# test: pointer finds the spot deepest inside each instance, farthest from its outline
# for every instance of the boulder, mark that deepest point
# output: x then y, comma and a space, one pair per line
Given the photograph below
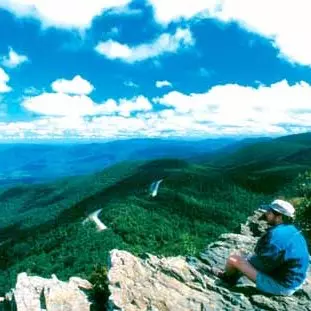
33, 293
186, 284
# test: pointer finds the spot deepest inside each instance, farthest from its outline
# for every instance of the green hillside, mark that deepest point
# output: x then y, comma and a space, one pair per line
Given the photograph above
193, 207
26, 206
43, 229
265, 166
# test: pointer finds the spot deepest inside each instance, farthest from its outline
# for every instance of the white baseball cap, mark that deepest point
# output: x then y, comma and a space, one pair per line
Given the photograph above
280, 206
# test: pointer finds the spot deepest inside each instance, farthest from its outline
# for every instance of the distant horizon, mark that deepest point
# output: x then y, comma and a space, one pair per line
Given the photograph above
102, 141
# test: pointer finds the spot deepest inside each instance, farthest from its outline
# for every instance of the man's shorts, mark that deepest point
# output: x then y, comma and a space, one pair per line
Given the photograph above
267, 284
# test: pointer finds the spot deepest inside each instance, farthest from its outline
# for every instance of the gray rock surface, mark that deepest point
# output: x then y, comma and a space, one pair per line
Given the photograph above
186, 284
34, 293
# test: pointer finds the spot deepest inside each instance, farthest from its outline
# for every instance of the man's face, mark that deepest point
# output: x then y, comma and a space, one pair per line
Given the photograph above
271, 218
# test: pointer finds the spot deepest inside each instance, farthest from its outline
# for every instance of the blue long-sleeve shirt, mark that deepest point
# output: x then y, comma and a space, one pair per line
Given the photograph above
282, 253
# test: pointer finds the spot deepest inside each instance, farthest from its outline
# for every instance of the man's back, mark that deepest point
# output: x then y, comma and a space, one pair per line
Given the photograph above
284, 253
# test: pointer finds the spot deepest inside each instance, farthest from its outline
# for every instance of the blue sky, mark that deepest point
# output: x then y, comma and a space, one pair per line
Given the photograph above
108, 69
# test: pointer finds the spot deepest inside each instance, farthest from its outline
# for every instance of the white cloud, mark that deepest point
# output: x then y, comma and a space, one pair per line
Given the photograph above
14, 60
125, 10
73, 127
63, 14
77, 86
60, 104
285, 23
4, 79
245, 107
64, 105
160, 84
140, 103
167, 11
166, 43
32, 91
124, 107
229, 109
131, 84
112, 49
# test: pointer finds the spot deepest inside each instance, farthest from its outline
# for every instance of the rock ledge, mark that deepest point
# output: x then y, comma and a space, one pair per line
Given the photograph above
185, 284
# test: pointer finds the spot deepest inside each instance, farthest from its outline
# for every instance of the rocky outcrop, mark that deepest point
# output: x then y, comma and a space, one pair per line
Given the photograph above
34, 293
162, 284
186, 284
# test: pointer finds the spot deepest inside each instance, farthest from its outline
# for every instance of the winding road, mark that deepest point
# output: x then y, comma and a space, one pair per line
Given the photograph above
154, 188
94, 217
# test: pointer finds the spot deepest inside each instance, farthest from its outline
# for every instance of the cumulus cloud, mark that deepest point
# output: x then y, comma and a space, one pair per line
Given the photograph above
62, 14
60, 104
125, 10
77, 86
231, 109
167, 11
245, 107
160, 84
166, 43
72, 127
285, 23
125, 107
65, 105
4, 79
14, 59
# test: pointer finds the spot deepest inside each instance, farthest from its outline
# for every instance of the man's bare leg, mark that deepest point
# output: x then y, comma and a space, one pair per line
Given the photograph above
238, 263
230, 269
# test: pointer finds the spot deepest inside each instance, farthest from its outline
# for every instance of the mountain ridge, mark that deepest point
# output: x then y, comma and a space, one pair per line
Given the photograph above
32, 163
44, 229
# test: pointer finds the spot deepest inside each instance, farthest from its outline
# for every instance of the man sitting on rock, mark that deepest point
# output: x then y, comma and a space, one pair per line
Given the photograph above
280, 262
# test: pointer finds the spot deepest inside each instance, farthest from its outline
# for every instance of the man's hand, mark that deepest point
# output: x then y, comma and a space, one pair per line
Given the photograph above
237, 260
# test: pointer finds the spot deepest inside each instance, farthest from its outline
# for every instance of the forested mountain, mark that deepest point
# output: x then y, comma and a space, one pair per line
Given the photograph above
264, 166
43, 228
31, 163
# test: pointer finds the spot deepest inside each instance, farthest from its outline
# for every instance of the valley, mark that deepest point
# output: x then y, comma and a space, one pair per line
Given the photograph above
166, 207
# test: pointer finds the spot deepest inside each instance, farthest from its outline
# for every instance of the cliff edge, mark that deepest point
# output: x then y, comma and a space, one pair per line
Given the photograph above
162, 284
185, 283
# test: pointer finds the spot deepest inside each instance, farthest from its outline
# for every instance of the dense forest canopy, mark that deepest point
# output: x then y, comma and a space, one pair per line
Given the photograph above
43, 229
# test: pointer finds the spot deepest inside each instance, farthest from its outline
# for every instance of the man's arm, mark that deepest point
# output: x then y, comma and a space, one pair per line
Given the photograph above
268, 255
242, 264
266, 261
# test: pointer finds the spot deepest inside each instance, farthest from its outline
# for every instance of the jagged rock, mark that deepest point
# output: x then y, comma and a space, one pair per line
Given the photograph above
34, 293
185, 283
